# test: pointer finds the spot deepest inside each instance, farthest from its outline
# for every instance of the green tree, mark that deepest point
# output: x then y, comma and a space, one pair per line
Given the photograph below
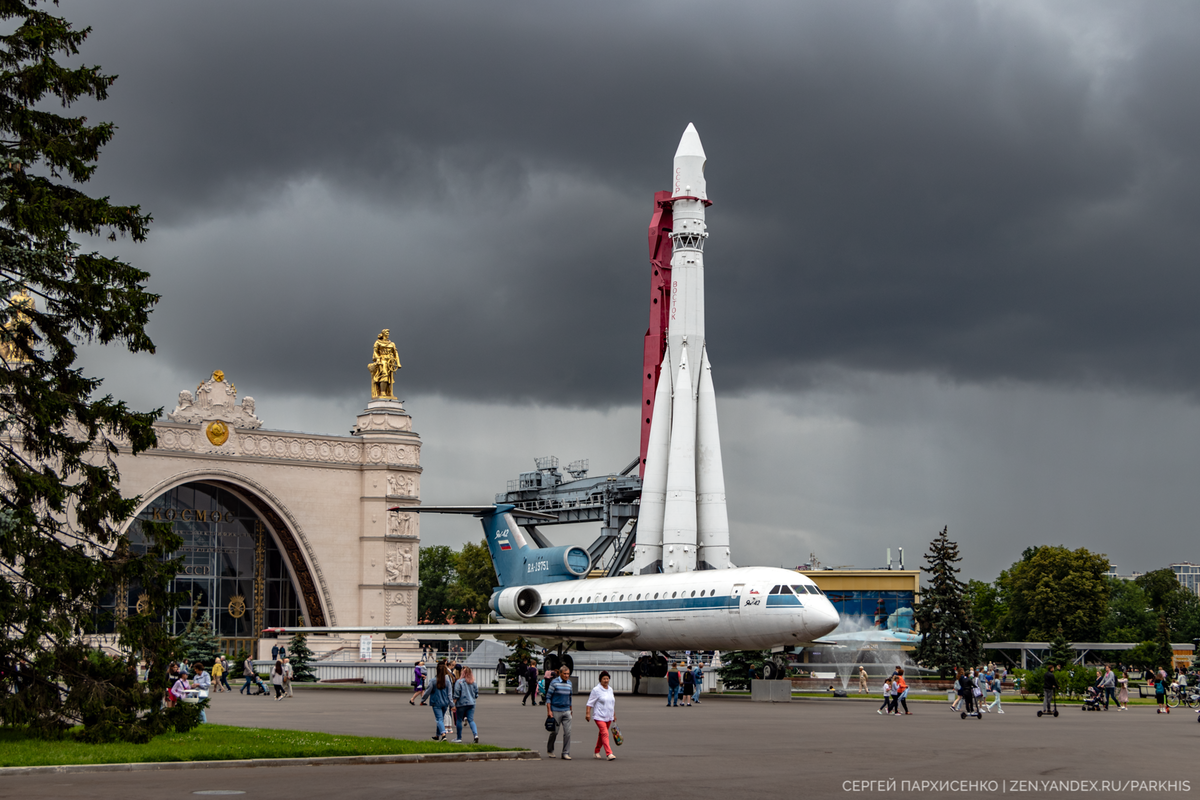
1061, 652
522, 651
735, 667
198, 643
949, 634
435, 602
475, 578
1129, 617
987, 609
60, 506
1052, 587
301, 658
1172, 602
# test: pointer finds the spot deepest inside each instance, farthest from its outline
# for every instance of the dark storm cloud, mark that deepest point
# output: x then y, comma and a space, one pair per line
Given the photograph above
975, 191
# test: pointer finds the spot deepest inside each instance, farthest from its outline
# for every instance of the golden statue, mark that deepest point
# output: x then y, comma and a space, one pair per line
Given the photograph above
9, 350
383, 368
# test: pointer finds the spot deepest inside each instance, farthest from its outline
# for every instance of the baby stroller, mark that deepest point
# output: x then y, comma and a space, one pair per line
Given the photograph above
1093, 700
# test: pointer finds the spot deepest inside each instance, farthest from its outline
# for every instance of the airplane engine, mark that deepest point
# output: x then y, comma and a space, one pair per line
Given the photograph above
519, 602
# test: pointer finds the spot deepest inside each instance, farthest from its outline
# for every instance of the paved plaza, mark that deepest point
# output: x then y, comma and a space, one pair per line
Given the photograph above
723, 748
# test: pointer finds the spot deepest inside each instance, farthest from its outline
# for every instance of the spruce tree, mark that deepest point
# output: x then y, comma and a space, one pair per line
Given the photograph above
301, 658
1061, 652
60, 507
735, 667
949, 636
199, 643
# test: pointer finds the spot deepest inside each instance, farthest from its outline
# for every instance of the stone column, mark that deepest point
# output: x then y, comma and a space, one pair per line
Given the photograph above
389, 543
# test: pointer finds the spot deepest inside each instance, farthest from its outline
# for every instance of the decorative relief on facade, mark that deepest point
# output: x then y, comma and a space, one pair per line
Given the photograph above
402, 525
215, 399
398, 608
400, 564
383, 422
401, 486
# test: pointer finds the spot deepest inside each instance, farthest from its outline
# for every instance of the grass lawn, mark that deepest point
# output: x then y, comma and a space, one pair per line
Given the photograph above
213, 743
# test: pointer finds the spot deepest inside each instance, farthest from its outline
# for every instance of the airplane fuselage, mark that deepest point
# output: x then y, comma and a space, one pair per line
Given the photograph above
743, 608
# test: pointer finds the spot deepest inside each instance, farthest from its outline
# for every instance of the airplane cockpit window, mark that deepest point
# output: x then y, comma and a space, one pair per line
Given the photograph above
785, 589
774, 590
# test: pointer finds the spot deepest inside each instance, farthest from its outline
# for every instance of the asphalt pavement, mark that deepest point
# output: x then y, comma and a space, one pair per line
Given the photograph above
725, 747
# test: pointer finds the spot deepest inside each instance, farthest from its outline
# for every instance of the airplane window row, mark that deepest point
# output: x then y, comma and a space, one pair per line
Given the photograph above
568, 601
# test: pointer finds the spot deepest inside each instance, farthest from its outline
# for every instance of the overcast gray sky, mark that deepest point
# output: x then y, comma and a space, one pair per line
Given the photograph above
951, 268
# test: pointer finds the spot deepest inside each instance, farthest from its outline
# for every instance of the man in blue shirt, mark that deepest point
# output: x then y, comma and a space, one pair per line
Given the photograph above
558, 707
697, 681
673, 689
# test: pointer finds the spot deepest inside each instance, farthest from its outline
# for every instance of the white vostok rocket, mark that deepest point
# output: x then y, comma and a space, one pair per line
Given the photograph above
683, 524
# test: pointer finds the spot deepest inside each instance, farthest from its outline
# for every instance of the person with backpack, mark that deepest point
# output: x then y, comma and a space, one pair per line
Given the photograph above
1160, 692
465, 692
673, 685
689, 686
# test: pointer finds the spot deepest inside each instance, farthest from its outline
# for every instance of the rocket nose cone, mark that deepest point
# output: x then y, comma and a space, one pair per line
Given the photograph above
689, 144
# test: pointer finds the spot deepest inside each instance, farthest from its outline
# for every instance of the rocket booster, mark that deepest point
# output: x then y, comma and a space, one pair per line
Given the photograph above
683, 524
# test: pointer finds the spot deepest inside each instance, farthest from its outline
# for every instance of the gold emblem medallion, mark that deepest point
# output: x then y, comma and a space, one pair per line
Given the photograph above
237, 606
217, 432
143, 603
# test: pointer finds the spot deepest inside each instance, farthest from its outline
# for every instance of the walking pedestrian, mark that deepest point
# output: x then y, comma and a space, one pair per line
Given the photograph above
465, 692
673, 685
502, 677
886, 706
287, 677
862, 679
544, 683
383, 654
902, 691
277, 679
1123, 692
218, 672
1108, 685
602, 707
1160, 692
559, 710
636, 672
418, 683
689, 686
697, 681
531, 681
996, 686
248, 674
437, 695
275, 652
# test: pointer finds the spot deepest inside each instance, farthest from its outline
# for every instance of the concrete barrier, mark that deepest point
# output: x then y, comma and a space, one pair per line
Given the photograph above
763, 691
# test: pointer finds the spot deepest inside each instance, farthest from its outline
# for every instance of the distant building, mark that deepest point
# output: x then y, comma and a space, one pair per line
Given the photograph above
871, 593
1188, 575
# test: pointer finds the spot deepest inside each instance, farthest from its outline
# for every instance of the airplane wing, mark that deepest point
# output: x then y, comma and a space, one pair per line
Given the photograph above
575, 631
474, 511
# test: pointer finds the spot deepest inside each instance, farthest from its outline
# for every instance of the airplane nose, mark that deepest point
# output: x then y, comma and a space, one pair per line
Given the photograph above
829, 619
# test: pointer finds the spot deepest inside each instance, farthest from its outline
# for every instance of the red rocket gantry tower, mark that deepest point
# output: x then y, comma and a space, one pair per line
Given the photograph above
683, 524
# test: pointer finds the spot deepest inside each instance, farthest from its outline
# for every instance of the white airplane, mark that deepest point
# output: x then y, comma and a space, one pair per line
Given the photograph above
545, 596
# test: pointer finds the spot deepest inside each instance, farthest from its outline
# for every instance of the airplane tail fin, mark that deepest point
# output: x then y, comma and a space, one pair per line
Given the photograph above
517, 556
507, 543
